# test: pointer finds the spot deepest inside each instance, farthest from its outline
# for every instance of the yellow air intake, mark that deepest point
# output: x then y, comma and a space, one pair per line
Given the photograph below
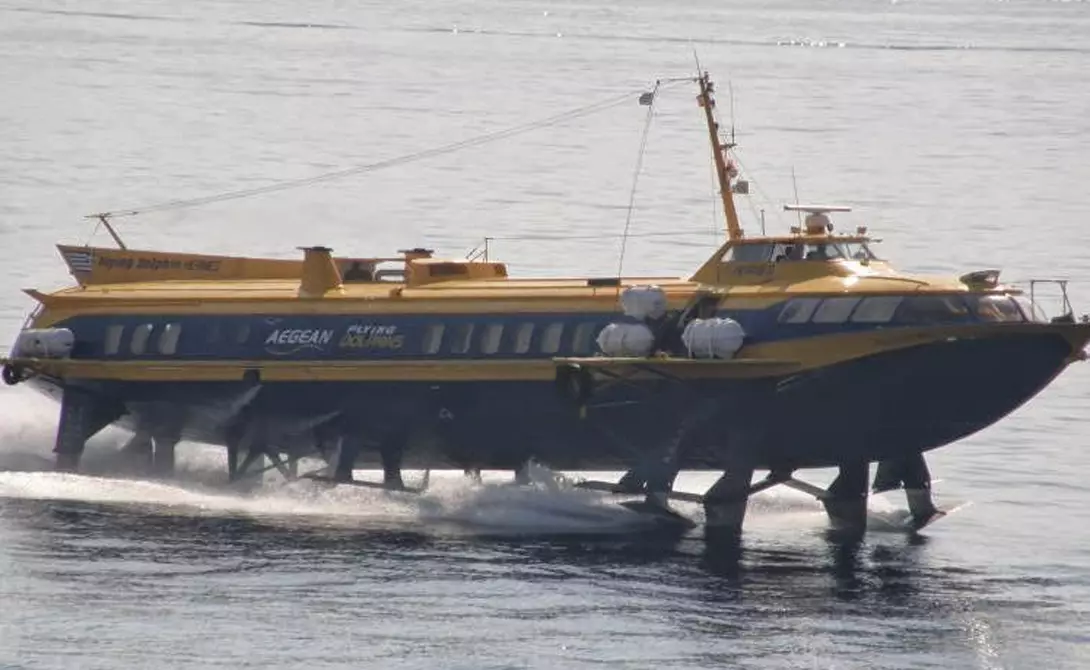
320, 273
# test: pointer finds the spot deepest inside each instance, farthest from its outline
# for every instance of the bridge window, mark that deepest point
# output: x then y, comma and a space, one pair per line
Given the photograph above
857, 251
113, 339
463, 335
927, 309
490, 338
168, 339
140, 337
798, 310
550, 339
524, 336
581, 339
749, 253
433, 338
995, 308
878, 309
1031, 310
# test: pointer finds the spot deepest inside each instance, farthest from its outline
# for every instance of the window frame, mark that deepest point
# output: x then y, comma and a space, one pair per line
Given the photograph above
461, 342
872, 299
111, 341
583, 333
852, 302
813, 303
527, 329
434, 331
491, 335
167, 342
549, 343
141, 334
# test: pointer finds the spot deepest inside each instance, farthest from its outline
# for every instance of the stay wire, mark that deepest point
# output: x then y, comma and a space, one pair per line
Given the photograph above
636, 178
370, 167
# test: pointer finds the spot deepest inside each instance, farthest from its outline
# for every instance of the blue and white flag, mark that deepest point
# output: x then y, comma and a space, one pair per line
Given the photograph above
80, 261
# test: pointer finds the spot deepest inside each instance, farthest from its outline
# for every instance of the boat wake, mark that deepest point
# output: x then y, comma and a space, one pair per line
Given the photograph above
452, 503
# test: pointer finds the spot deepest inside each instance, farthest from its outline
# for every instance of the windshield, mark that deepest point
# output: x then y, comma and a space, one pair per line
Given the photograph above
1032, 310
824, 251
762, 252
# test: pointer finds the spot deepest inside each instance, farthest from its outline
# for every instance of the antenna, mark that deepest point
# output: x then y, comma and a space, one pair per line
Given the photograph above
730, 91
795, 184
104, 219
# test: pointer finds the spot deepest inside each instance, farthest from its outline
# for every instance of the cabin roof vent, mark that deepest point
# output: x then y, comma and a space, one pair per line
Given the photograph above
320, 274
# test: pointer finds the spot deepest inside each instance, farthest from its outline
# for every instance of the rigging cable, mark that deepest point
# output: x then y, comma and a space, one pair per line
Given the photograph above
370, 167
650, 102
769, 202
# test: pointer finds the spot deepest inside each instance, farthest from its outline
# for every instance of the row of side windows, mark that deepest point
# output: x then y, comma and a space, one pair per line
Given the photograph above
166, 342
464, 338
459, 338
902, 309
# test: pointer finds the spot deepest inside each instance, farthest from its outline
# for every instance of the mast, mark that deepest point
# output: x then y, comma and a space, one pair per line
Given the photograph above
724, 171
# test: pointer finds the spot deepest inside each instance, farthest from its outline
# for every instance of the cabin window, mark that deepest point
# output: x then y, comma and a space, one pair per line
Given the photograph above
581, 339
113, 339
822, 252
750, 253
490, 338
242, 333
433, 338
550, 339
168, 339
995, 308
931, 309
834, 310
524, 336
390, 275
358, 271
140, 337
878, 309
1031, 310
463, 335
857, 251
787, 252
798, 310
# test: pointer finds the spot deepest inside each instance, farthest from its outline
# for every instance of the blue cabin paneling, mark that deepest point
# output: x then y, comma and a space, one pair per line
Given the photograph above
464, 336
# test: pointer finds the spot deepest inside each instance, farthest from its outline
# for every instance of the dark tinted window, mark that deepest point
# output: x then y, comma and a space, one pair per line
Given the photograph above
751, 253
798, 310
581, 340
490, 338
932, 309
995, 308
523, 337
835, 310
1030, 310
461, 337
433, 338
876, 309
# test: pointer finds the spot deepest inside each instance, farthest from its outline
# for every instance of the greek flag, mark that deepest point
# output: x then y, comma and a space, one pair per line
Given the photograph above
80, 261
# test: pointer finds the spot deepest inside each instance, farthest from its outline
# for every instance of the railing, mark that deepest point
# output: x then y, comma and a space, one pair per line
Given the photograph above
1067, 312
480, 252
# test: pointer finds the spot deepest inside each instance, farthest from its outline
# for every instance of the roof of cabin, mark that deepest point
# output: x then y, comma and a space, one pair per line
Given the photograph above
283, 289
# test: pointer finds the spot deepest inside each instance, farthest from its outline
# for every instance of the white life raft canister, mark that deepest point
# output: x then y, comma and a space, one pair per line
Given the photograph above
626, 340
713, 338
